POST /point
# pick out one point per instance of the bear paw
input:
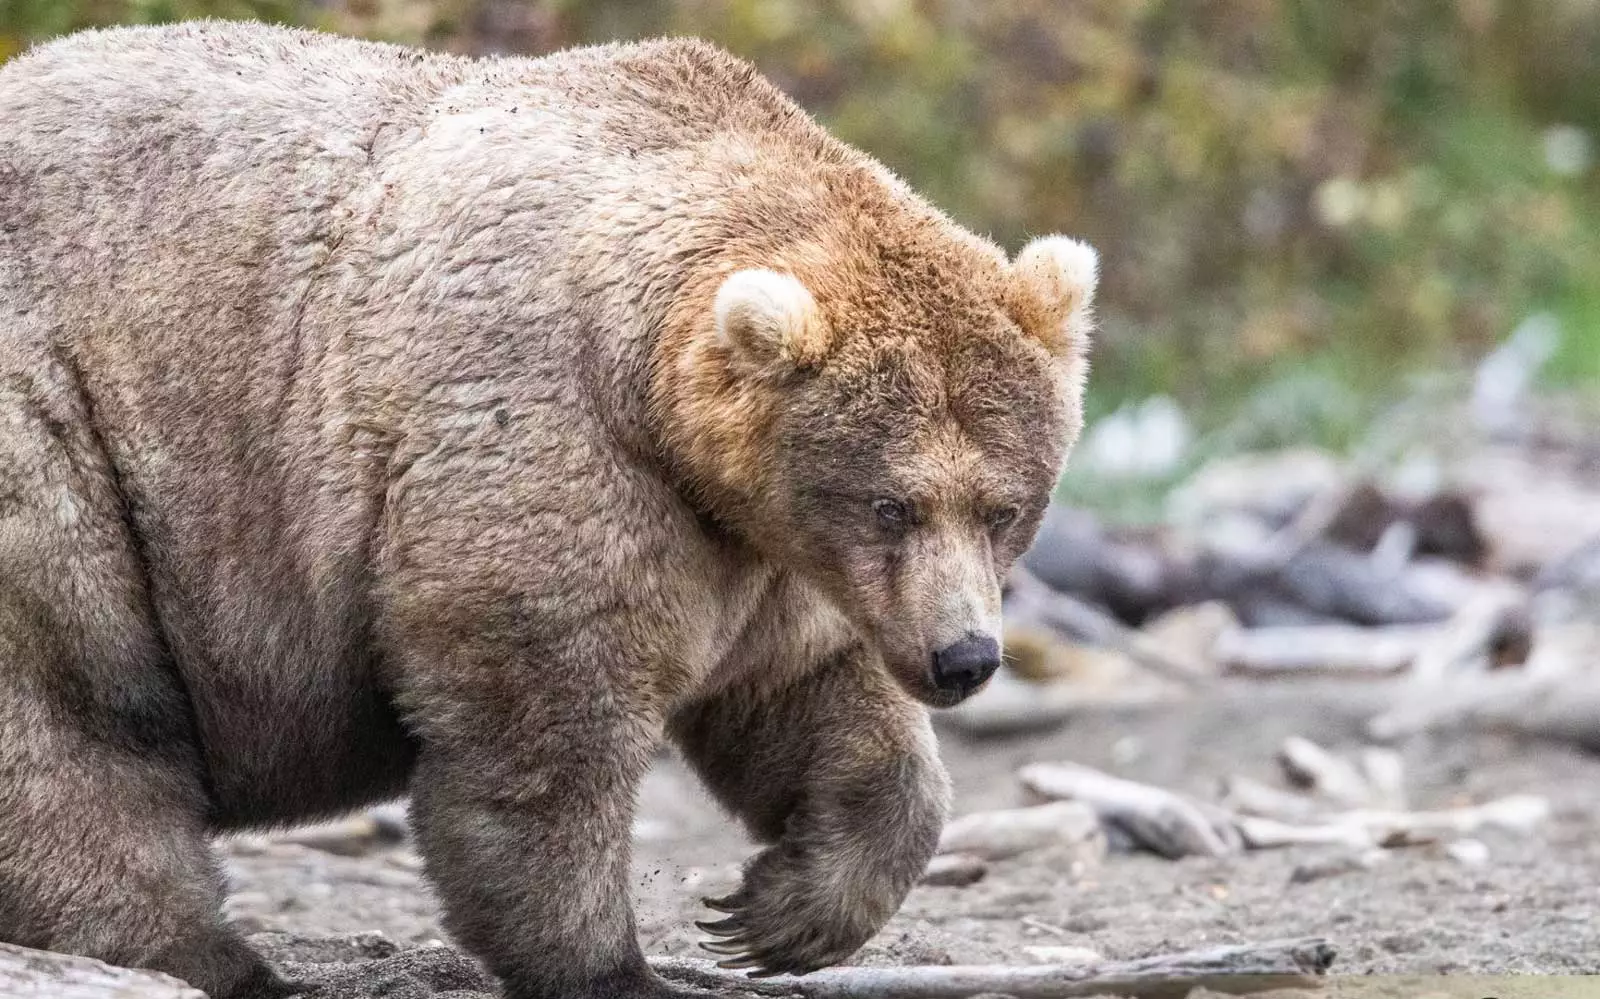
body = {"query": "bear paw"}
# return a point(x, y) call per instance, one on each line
point(790, 917)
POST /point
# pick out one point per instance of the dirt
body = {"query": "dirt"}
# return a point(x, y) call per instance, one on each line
point(1531, 908)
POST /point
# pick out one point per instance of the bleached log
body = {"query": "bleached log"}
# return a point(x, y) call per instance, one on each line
point(1247, 796)
point(1517, 813)
point(1491, 630)
point(1269, 834)
point(37, 974)
point(1384, 772)
point(1235, 970)
point(1007, 832)
point(1158, 820)
point(1009, 705)
point(1563, 706)
point(1317, 649)
point(1376, 827)
point(1306, 764)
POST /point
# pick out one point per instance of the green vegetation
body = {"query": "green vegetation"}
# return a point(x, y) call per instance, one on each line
point(1291, 196)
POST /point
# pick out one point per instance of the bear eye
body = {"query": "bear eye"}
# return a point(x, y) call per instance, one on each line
point(892, 514)
point(1002, 518)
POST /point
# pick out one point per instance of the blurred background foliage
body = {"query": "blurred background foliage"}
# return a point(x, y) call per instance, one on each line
point(1300, 202)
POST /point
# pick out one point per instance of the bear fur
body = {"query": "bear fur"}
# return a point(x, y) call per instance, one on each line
point(375, 422)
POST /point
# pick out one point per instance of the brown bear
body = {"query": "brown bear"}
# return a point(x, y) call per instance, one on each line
point(375, 422)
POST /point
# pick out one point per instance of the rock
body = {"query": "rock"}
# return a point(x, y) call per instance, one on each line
point(423, 973)
point(37, 974)
point(301, 949)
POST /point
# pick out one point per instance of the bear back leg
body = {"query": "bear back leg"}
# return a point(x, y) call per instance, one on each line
point(103, 802)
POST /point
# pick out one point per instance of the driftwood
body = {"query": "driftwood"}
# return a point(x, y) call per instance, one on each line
point(1148, 817)
point(1490, 628)
point(1007, 832)
point(1443, 524)
point(1331, 582)
point(1289, 578)
point(1320, 649)
point(1235, 970)
point(1270, 834)
point(1008, 705)
point(1133, 578)
point(37, 974)
point(1247, 796)
point(1374, 827)
point(1308, 766)
point(1358, 805)
point(1031, 602)
point(1558, 706)
point(1384, 771)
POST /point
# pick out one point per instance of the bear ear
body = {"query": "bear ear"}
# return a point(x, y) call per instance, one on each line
point(770, 322)
point(1051, 293)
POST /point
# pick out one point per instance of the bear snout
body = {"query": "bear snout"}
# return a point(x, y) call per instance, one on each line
point(962, 667)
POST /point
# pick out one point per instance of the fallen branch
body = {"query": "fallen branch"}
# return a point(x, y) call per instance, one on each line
point(1270, 834)
point(1314, 649)
point(1237, 970)
point(1150, 817)
point(1372, 827)
point(1517, 813)
point(1327, 582)
point(1490, 631)
point(1247, 796)
point(1009, 705)
point(1007, 832)
point(1308, 766)
point(1134, 577)
point(1563, 707)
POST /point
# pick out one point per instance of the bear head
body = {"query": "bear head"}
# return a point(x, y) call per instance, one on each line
point(887, 418)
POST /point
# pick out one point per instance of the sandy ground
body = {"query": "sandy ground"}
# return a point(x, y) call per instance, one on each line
point(1531, 908)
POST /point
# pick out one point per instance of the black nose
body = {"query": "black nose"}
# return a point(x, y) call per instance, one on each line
point(967, 663)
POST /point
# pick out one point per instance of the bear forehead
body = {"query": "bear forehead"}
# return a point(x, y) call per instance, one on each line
point(978, 418)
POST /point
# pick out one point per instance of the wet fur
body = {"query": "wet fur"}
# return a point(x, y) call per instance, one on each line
point(363, 429)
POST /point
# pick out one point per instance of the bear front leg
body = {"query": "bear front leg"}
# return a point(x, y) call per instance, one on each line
point(522, 801)
point(839, 772)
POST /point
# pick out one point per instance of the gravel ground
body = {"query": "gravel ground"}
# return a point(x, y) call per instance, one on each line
point(1531, 908)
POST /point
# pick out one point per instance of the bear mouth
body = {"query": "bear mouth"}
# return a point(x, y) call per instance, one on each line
point(936, 697)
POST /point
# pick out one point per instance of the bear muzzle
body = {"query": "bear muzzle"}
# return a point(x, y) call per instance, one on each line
point(961, 668)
